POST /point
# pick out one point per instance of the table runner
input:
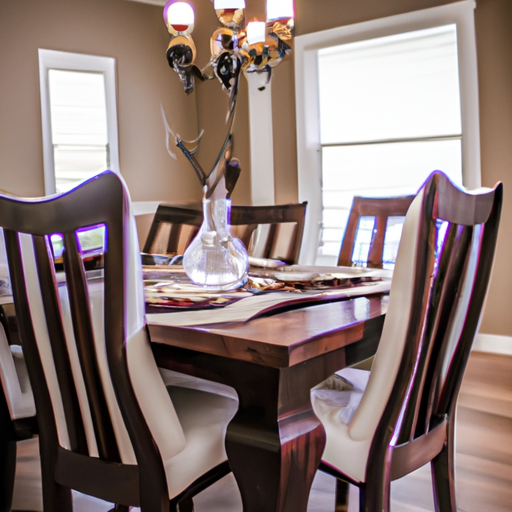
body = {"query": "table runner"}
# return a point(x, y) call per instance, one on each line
point(257, 305)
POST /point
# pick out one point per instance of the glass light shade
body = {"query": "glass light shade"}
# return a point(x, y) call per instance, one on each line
point(179, 17)
point(223, 39)
point(279, 9)
point(229, 4)
point(256, 32)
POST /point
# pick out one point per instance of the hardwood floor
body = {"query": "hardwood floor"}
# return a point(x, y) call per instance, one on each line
point(483, 471)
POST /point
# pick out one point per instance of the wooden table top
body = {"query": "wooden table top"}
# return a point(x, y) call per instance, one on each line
point(283, 339)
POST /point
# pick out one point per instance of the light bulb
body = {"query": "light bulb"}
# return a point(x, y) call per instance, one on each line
point(179, 17)
point(256, 32)
point(279, 9)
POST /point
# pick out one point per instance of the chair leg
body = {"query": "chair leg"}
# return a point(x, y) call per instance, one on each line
point(362, 498)
point(55, 496)
point(7, 456)
point(186, 505)
point(443, 474)
point(341, 496)
point(374, 497)
point(7, 472)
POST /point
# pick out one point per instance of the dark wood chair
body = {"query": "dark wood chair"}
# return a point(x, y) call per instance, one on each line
point(172, 230)
point(404, 417)
point(108, 426)
point(380, 210)
point(17, 407)
point(267, 231)
point(271, 231)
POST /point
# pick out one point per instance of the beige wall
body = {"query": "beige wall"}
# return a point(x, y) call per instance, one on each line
point(134, 34)
point(494, 45)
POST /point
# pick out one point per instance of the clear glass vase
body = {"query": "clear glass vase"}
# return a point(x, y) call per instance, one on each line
point(215, 259)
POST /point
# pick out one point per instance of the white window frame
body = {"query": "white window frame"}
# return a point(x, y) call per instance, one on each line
point(52, 59)
point(307, 105)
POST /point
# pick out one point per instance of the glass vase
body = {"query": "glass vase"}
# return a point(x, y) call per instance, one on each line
point(215, 259)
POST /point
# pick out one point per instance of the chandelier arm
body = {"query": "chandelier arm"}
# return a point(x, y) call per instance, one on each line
point(224, 157)
point(168, 133)
point(195, 164)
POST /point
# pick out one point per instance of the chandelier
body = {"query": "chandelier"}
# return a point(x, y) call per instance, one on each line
point(255, 47)
point(215, 258)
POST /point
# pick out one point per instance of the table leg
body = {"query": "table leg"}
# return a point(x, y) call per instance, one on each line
point(275, 442)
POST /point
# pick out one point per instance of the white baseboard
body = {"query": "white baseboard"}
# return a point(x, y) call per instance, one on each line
point(493, 343)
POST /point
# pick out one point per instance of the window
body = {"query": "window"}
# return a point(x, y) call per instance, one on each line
point(380, 105)
point(78, 107)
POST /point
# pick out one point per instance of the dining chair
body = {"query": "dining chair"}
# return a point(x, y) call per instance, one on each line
point(383, 425)
point(273, 231)
point(108, 426)
point(371, 223)
point(17, 409)
point(172, 229)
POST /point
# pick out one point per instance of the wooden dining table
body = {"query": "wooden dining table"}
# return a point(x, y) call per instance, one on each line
point(275, 442)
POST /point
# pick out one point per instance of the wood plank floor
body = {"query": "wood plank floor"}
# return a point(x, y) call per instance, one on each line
point(484, 458)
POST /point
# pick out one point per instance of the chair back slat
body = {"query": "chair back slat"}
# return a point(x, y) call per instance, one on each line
point(278, 229)
point(448, 279)
point(42, 392)
point(446, 303)
point(83, 331)
point(172, 229)
point(381, 209)
point(57, 337)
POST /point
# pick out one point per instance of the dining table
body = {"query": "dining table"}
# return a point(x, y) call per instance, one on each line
point(272, 355)
point(274, 443)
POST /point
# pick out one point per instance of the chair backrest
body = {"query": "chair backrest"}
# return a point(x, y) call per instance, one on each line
point(267, 231)
point(172, 230)
point(270, 231)
point(438, 288)
point(96, 386)
point(369, 221)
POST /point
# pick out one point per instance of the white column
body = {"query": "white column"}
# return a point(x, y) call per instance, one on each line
point(261, 138)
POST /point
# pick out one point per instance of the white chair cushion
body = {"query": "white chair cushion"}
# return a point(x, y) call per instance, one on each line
point(204, 418)
point(14, 379)
point(335, 402)
point(182, 380)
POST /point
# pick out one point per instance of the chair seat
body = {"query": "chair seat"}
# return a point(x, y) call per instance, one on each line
point(14, 380)
point(335, 402)
point(182, 380)
point(203, 417)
